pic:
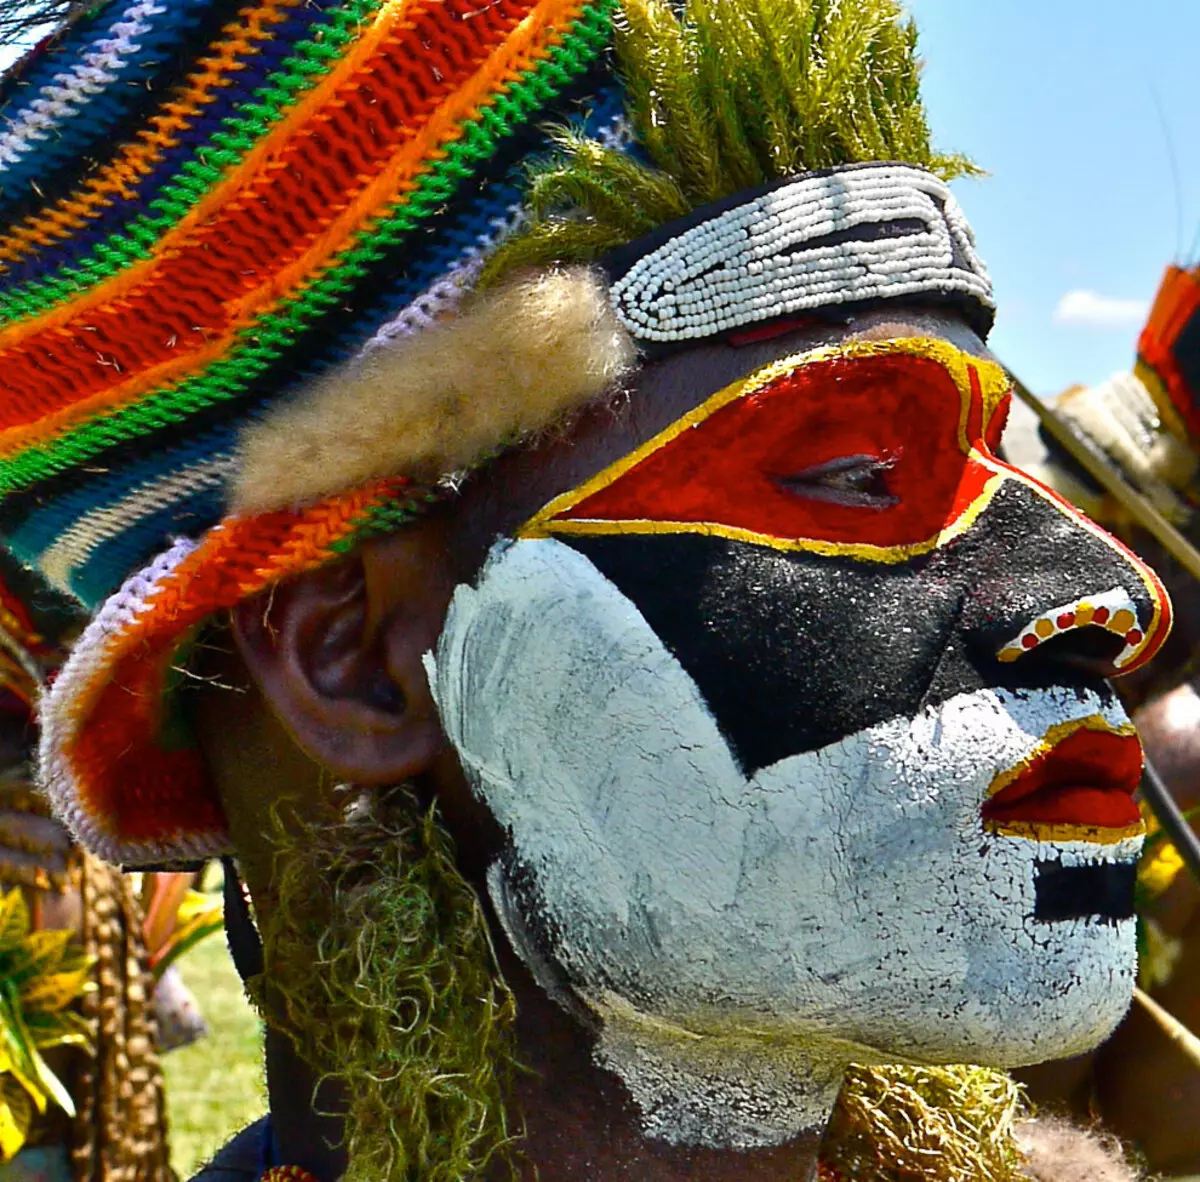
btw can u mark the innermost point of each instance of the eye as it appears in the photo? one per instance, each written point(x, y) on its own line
point(859, 481)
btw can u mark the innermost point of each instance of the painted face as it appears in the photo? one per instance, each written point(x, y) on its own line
point(796, 718)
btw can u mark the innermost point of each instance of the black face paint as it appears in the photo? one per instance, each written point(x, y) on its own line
point(1104, 890)
point(794, 651)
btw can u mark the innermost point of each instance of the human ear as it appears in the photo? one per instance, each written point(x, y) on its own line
point(337, 654)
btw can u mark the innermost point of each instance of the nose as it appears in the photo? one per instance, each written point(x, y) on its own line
point(1051, 588)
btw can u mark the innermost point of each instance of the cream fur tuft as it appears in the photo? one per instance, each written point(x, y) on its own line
point(515, 360)
point(1056, 1151)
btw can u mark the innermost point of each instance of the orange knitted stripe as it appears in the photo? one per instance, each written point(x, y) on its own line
point(1174, 306)
point(224, 196)
point(237, 41)
point(1177, 298)
point(145, 792)
point(55, 371)
point(243, 555)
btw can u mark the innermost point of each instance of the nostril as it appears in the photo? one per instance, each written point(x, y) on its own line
point(1090, 649)
point(1099, 624)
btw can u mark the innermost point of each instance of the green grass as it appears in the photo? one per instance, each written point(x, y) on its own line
point(214, 1087)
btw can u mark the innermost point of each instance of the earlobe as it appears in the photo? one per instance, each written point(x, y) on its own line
point(337, 654)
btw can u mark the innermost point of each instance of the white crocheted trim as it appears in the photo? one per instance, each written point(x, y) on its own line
point(73, 88)
point(443, 297)
point(896, 231)
point(61, 720)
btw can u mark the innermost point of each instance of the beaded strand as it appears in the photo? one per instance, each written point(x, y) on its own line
point(860, 234)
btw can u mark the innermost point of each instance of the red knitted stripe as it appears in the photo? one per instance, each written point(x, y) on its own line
point(287, 1174)
point(196, 291)
point(142, 792)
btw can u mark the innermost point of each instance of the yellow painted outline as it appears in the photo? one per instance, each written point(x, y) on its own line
point(994, 385)
point(1053, 736)
point(1055, 831)
point(861, 550)
point(1157, 592)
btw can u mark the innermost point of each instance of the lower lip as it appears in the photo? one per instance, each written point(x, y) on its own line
point(1086, 780)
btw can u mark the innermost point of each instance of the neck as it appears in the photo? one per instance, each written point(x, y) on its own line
point(582, 1123)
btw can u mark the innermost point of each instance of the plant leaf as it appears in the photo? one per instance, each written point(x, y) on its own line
point(199, 903)
point(16, 1115)
point(18, 1047)
point(39, 953)
point(185, 938)
point(1157, 872)
point(31, 1062)
point(14, 920)
point(63, 1028)
point(54, 991)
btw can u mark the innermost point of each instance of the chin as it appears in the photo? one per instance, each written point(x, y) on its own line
point(1021, 1012)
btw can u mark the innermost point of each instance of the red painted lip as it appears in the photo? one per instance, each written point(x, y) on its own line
point(1086, 779)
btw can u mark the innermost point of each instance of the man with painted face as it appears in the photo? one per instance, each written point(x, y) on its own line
point(589, 605)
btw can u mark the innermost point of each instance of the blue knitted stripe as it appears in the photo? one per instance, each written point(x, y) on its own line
point(55, 54)
point(118, 215)
point(464, 224)
point(89, 123)
point(111, 562)
point(50, 519)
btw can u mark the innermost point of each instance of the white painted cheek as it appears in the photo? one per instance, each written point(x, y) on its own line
point(583, 739)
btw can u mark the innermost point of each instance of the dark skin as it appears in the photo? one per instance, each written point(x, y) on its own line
point(333, 690)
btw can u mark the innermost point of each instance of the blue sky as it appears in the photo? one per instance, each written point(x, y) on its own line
point(1060, 101)
point(1070, 105)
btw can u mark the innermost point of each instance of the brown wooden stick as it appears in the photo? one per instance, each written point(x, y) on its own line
point(1171, 1026)
point(1106, 474)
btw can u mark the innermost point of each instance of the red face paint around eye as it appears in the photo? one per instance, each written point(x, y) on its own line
point(769, 459)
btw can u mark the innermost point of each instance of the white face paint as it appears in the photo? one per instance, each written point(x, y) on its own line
point(742, 940)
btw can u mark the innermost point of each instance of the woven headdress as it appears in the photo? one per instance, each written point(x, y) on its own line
point(234, 241)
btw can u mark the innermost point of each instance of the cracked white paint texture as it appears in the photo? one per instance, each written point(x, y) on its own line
point(742, 940)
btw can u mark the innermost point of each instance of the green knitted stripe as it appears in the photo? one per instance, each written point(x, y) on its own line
point(309, 61)
point(264, 342)
point(385, 517)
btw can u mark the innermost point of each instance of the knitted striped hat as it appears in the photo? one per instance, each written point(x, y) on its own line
point(211, 211)
point(203, 205)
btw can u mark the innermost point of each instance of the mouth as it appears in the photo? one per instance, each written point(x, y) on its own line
point(1078, 785)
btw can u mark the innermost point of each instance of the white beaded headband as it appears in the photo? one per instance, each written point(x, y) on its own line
point(845, 236)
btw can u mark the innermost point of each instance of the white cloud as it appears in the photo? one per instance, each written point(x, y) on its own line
point(1093, 310)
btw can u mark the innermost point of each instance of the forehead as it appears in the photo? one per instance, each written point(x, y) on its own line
point(522, 481)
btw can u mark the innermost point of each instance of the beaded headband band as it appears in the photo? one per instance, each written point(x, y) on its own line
point(839, 238)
